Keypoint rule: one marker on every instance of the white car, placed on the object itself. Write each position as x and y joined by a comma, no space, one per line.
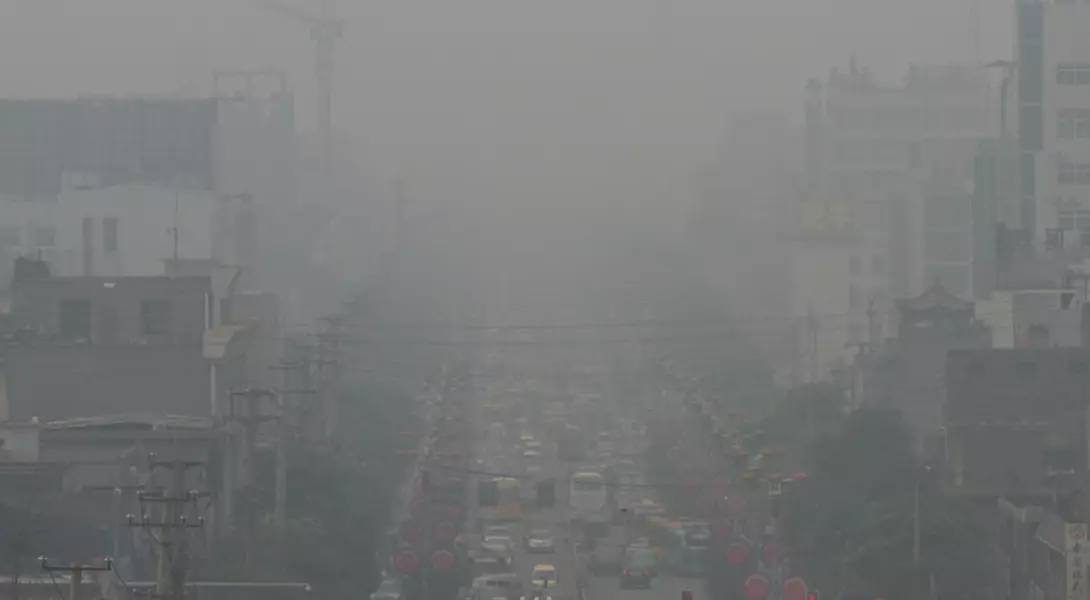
540,541
497,544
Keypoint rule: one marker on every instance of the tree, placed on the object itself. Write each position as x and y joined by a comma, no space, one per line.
850,524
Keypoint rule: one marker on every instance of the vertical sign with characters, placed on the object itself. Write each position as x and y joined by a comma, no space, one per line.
1076,554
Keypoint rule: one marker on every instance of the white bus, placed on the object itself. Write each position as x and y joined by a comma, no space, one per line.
589,499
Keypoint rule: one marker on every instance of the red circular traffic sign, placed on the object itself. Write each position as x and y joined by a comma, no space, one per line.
446,531
756,586
411,531
795,589
406,562
723,527
772,553
442,560
737,553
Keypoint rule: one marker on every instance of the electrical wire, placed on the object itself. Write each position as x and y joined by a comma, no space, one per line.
606,484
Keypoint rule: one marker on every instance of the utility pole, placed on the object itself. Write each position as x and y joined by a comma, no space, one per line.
75,572
173,526
329,355
812,324
251,419
795,367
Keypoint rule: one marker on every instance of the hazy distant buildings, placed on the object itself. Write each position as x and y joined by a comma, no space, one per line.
894,165
115,186
1052,87
744,209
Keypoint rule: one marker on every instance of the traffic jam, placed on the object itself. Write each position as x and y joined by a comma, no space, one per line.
538,495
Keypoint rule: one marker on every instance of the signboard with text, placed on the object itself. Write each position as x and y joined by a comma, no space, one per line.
1076,553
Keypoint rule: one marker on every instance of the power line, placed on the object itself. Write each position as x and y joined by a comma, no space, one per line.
604,484
598,324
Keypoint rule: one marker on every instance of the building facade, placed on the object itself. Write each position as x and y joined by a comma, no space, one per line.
1052,70
78,175
898,161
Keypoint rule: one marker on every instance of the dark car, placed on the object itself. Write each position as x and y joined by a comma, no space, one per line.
638,568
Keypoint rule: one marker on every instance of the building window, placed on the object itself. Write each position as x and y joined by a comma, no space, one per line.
45,237
155,317
75,319
11,238
1073,123
1073,220
109,234
1073,174
855,265
1073,74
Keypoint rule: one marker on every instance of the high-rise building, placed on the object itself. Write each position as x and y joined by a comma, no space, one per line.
897,161
1052,74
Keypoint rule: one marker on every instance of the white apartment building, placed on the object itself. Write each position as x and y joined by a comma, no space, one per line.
1052,86
896,163
102,186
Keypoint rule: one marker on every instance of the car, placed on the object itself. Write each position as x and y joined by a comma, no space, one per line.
532,454
638,566
540,541
504,585
532,445
544,577
389,589
491,564
497,544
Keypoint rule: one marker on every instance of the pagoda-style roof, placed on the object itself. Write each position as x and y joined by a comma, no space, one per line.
934,297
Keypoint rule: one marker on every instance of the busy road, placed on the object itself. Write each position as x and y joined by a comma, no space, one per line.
567,432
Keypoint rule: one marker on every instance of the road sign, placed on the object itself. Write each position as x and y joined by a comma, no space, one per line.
757,586
723,527
772,553
442,560
445,531
795,589
737,553
1076,553
406,562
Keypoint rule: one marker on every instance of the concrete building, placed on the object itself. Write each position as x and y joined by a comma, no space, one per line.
898,160
1052,71
90,346
906,374
76,176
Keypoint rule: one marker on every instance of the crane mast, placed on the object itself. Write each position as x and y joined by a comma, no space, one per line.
324,32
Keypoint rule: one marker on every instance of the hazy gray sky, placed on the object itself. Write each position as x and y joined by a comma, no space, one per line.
545,104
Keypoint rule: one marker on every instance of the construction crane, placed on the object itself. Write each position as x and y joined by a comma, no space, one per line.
325,31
